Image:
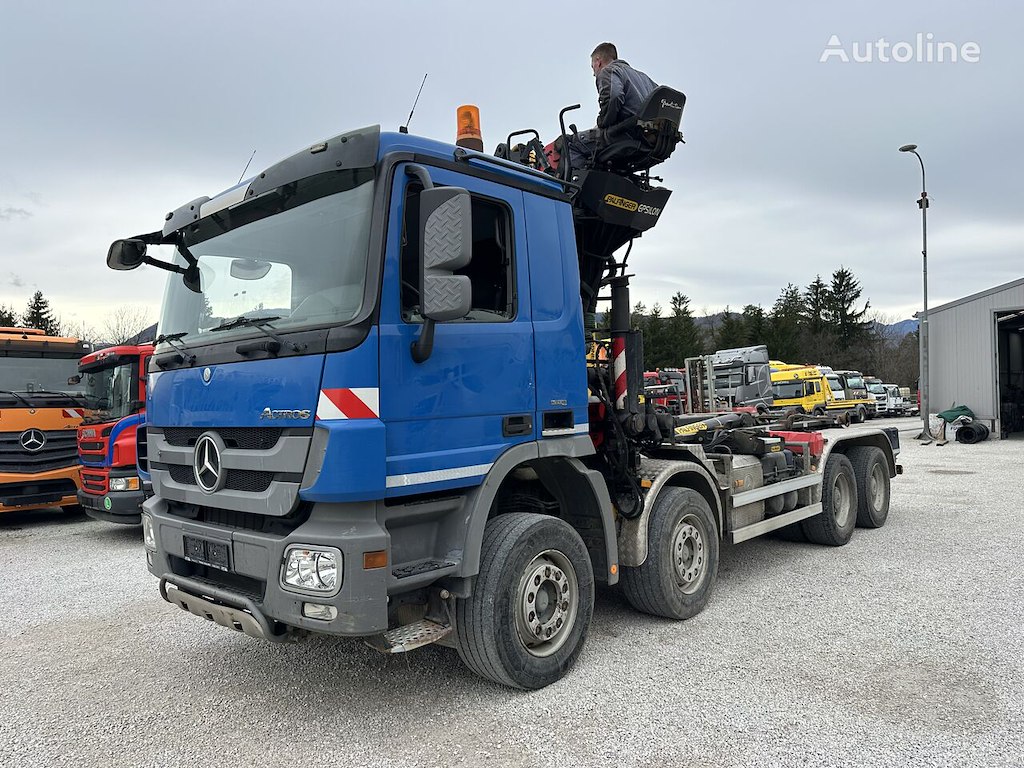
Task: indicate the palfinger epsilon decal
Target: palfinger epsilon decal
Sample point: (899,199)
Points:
(355,403)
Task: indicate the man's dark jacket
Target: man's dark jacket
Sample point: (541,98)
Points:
(621,91)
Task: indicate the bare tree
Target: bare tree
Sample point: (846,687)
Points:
(79,329)
(125,322)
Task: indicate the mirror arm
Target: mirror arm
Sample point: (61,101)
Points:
(424,344)
(421,174)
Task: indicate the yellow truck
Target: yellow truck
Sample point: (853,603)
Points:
(805,387)
(39,417)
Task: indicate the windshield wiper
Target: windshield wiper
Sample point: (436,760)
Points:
(69,395)
(260,324)
(174,341)
(16,396)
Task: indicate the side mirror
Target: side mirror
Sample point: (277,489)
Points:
(136,405)
(446,237)
(77,379)
(126,254)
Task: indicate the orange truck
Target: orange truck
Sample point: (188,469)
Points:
(39,417)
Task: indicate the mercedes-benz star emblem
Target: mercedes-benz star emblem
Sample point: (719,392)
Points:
(32,440)
(206,464)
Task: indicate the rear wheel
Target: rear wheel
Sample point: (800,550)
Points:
(526,620)
(679,573)
(872,473)
(818,411)
(862,414)
(838,517)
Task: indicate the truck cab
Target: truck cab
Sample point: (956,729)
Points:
(115,384)
(856,394)
(40,410)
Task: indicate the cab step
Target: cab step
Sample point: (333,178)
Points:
(410,636)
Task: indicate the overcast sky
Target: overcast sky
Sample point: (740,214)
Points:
(114,113)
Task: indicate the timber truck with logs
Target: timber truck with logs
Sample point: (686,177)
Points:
(371,411)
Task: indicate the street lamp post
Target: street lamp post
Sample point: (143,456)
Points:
(922,203)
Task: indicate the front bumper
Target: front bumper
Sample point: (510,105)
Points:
(53,488)
(251,585)
(124,507)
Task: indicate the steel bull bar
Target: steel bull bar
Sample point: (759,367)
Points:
(229,610)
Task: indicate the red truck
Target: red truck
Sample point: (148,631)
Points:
(666,389)
(115,385)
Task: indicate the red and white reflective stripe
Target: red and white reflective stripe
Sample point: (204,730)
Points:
(72,413)
(356,403)
(619,371)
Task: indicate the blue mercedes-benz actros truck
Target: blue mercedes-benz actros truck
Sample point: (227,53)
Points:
(380,406)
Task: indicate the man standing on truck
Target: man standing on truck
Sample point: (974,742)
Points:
(621,91)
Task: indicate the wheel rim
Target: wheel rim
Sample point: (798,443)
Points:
(547,603)
(876,487)
(689,553)
(842,500)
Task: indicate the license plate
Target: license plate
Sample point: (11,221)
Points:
(216,554)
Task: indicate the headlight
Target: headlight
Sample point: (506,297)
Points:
(148,538)
(124,483)
(312,570)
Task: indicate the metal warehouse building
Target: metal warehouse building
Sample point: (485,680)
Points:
(976,357)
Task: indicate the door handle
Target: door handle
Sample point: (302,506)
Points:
(513,426)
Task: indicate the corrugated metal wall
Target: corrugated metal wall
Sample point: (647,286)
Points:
(962,350)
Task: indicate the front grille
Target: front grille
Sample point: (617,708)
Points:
(96,446)
(240,521)
(248,480)
(94,483)
(59,451)
(245,438)
(142,450)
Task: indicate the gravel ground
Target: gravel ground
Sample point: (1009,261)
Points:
(902,648)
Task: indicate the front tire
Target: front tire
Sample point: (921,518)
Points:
(681,568)
(834,525)
(872,473)
(525,622)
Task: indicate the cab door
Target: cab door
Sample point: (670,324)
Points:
(448,418)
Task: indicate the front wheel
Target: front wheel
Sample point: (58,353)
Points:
(525,622)
(679,573)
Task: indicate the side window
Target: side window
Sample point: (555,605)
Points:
(491,271)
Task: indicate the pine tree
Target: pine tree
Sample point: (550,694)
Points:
(732,331)
(817,300)
(849,323)
(9,317)
(686,338)
(784,325)
(39,315)
(755,323)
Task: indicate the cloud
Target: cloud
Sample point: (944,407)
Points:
(15,280)
(9,214)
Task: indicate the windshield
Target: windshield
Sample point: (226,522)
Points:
(876,389)
(298,256)
(835,386)
(111,391)
(855,382)
(785,390)
(26,374)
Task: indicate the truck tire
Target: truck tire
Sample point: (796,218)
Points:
(872,472)
(838,517)
(818,411)
(527,618)
(676,579)
(862,414)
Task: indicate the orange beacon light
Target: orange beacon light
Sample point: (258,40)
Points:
(469,128)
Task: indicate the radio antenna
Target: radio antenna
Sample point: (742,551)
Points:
(246,166)
(405,128)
